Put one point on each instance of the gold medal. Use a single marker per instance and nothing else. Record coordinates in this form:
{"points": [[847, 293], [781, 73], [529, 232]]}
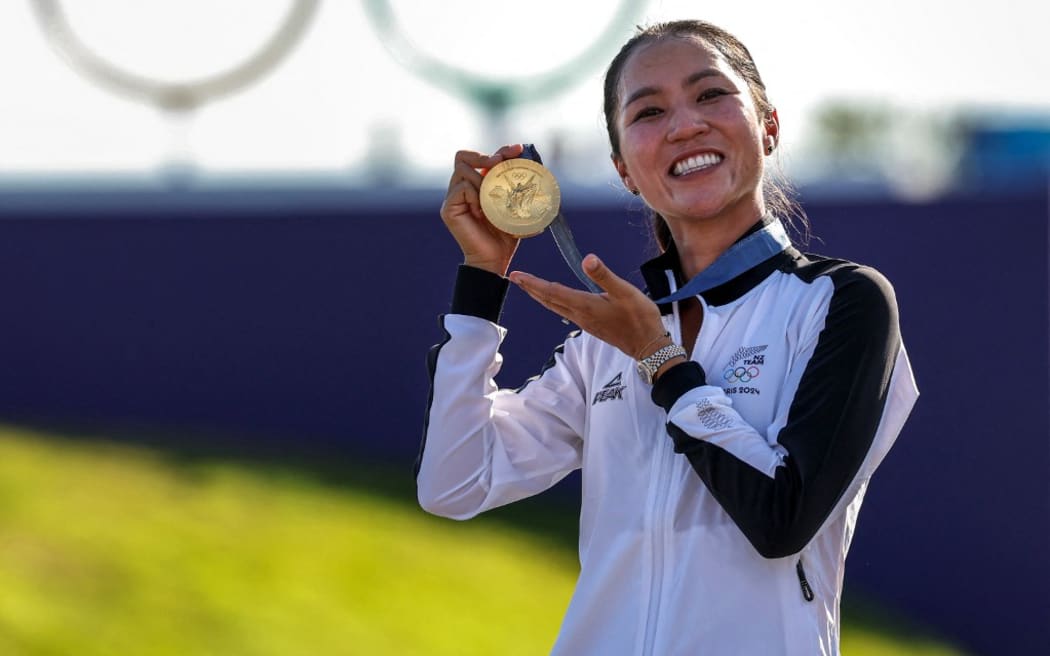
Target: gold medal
{"points": [[520, 197]]}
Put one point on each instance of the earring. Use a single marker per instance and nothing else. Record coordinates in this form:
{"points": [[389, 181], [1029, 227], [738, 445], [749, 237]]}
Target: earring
{"points": [[770, 144], [635, 192]]}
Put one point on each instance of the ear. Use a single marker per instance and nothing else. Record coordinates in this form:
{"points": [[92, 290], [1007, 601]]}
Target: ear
{"points": [[625, 177], [772, 127]]}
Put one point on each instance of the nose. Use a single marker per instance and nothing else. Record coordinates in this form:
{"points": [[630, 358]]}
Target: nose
{"points": [[686, 124]]}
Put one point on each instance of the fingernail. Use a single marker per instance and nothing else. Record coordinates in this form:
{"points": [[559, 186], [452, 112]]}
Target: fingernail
{"points": [[591, 262]]}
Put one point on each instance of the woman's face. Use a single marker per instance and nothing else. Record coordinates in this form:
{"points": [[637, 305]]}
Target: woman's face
{"points": [[691, 140]]}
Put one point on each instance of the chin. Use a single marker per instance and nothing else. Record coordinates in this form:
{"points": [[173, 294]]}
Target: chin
{"points": [[701, 211]]}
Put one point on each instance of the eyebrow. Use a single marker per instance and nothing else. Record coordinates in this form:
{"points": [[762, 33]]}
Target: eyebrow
{"points": [[692, 79]]}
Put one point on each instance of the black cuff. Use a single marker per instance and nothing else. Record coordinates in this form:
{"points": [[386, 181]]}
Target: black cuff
{"points": [[479, 293], [675, 382]]}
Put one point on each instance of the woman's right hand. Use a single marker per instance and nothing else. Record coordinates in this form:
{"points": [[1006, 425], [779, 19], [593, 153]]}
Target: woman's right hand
{"points": [[483, 245]]}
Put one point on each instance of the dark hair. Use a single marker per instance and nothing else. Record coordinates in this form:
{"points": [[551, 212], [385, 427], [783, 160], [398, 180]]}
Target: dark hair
{"points": [[778, 193]]}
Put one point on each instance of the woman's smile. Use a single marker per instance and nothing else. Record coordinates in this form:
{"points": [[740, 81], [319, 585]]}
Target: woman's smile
{"points": [[693, 163]]}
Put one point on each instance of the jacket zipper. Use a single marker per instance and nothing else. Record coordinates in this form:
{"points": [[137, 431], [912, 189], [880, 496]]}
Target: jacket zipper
{"points": [[807, 591]]}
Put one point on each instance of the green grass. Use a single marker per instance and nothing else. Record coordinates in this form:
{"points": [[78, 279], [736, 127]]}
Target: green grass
{"points": [[112, 549]]}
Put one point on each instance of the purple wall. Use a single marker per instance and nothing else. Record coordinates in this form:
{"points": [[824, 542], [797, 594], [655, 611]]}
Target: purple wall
{"points": [[956, 527], [302, 320]]}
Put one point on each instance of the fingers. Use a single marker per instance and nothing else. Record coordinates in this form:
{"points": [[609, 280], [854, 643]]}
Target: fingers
{"points": [[510, 151], [463, 188], [556, 297], [476, 160], [604, 277], [622, 316], [467, 172], [561, 298]]}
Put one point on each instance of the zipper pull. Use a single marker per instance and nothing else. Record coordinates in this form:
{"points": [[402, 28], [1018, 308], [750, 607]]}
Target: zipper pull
{"points": [[807, 592]]}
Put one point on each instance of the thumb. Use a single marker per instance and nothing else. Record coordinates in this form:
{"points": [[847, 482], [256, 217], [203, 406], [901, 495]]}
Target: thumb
{"points": [[510, 151], [601, 274]]}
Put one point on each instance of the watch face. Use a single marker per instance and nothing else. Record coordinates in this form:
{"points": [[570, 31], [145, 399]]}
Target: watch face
{"points": [[644, 372]]}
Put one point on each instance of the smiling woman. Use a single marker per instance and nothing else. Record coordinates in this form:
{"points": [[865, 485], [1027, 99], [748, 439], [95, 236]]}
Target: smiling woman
{"points": [[727, 420], [721, 84], [693, 139]]}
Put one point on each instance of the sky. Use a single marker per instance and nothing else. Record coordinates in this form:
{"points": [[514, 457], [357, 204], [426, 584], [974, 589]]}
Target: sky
{"points": [[341, 102]]}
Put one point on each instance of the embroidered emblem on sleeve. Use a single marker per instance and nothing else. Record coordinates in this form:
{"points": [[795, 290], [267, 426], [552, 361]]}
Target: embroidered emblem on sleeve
{"points": [[710, 416]]}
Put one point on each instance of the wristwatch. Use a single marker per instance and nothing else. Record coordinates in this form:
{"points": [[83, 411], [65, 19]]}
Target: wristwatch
{"points": [[647, 367]]}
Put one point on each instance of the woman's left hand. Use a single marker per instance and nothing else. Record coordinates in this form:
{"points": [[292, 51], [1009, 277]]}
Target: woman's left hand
{"points": [[622, 315]]}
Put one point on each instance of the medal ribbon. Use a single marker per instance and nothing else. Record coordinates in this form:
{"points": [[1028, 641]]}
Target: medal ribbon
{"points": [[562, 234], [750, 251]]}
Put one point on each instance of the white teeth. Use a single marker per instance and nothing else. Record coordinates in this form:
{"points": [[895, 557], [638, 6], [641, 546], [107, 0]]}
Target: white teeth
{"points": [[695, 163]]}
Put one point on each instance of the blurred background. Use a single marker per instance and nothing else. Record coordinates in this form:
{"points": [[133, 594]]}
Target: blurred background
{"points": [[223, 267]]}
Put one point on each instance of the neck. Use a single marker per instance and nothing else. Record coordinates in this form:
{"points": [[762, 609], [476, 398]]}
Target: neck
{"points": [[699, 243]]}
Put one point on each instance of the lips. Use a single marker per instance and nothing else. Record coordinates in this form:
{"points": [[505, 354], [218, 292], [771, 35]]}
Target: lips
{"points": [[694, 163]]}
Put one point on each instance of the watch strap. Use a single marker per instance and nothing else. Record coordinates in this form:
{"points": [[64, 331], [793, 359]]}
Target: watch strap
{"points": [[647, 367]]}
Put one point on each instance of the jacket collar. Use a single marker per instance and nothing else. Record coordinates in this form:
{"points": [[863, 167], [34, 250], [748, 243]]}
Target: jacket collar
{"points": [[658, 284]]}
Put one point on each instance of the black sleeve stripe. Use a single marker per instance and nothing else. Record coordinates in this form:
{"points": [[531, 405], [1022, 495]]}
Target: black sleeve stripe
{"points": [[676, 381], [432, 357], [551, 361], [479, 293], [831, 423]]}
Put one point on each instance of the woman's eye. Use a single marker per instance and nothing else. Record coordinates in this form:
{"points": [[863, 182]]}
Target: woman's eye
{"points": [[646, 113], [710, 94]]}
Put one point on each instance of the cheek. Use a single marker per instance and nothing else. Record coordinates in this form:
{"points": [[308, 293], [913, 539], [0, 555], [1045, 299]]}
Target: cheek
{"points": [[637, 145], [742, 121], [636, 137], [752, 146]]}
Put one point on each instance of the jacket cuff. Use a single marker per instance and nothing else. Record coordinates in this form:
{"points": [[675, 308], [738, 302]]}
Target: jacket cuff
{"points": [[676, 381], [479, 293]]}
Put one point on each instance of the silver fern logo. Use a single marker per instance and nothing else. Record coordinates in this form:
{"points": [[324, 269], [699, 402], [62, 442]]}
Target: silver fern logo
{"points": [[710, 416], [745, 352]]}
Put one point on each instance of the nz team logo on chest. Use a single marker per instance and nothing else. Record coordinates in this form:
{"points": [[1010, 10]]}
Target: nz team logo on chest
{"points": [[611, 391], [744, 368]]}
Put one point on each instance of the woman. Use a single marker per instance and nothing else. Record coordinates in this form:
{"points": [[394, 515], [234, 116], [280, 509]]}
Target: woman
{"points": [[721, 482]]}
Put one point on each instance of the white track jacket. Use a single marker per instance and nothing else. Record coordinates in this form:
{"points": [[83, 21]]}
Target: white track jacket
{"points": [[717, 505]]}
